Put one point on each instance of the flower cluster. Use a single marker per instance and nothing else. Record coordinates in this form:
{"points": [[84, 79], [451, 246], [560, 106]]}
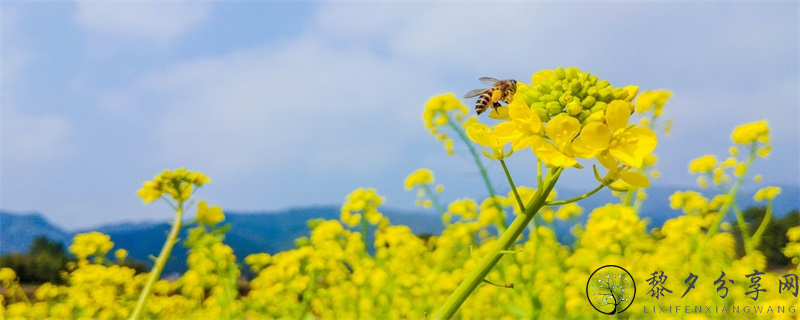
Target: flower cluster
{"points": [[565, 115], [387, 271], [441, 111], [178, 184], [366, 202]]}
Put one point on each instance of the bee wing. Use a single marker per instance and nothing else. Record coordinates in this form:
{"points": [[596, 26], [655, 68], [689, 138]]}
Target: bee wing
{"points": [[489, 80], [475, 93]]}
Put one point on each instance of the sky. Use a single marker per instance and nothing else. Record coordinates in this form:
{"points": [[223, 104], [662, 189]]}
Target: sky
{"points": [[288, 104]]}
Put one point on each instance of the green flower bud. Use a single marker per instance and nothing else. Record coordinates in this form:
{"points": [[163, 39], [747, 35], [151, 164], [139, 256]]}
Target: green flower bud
{"points": [[574, 107], [560, 73], [575, 85], [592, 91], [598, 106], [540, 109], [565, 98], [603, 84], [584, 77], [588, 102], [583, 115], [571, 73], [544, 88], [605, 95], [593, 80], [553, 107], [546, 98], [620, 94]]}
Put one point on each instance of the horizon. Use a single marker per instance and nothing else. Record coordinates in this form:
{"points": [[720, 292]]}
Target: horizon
{"points": [[784, 204], [299, 104]]}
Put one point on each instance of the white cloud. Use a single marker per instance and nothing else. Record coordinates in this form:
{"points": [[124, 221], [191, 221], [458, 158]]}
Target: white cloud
{"points": [[33, 139], [302, 105], [159, 21], [28, 138]]}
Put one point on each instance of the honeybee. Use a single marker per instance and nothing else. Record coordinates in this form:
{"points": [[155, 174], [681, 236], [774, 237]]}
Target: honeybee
{"points": [[488, 97]]}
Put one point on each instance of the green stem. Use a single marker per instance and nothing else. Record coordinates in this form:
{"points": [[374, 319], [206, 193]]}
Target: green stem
{"points": [[433, 197], [507, 239], [364, 227], [155, 274], [764, 222], [538, 174], [462, 134], [513, 186], [731, 198], [581, 197], [748, 241]]}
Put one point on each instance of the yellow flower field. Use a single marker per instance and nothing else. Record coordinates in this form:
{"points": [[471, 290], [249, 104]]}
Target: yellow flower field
{"points": [[479, 267]]}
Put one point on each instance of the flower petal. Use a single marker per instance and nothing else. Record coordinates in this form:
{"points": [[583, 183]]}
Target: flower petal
{"points": [[635, 179], [480, 134], [499, 113], [548, 153], [562, 129], [519, 110], [617, 114], [633, 146], [596, 135]]}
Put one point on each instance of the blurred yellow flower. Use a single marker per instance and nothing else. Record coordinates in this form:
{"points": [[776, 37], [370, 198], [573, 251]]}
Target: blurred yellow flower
{"points": [[210, 216], [767, 193], [418, 178], [703, 164], [751, 132]]}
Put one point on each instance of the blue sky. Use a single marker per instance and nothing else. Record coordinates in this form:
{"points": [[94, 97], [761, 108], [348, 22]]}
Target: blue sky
{"points": [[294, 104]]}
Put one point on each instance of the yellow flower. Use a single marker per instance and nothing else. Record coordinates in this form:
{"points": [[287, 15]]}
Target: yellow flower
{"points": [[7, 276], [437, 112], [362, 201], [121, 254], [618, 171], [178, 184], [703, 164], [524, 126], [210, 216], [561, 130], [466, 208], [486, 137], [418, 178], [767, 194], [750, 132], [628, 144], [655, 100], [568, 211], [90, 243]]}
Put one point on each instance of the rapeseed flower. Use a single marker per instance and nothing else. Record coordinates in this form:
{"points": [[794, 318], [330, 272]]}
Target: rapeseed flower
{"points": [[629, 144]]}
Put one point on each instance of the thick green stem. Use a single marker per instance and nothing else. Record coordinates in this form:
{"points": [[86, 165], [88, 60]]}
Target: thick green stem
{"points": [[462, 134], [507, 239], [155, 274]]}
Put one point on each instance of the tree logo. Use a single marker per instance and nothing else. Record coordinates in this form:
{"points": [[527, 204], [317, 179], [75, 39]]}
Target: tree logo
{"points": [[611, 289]]}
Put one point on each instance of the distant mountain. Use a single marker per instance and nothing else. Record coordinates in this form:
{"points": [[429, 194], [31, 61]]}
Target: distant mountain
{"points": [[276, 231], [18, 231], [256, 232]]}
